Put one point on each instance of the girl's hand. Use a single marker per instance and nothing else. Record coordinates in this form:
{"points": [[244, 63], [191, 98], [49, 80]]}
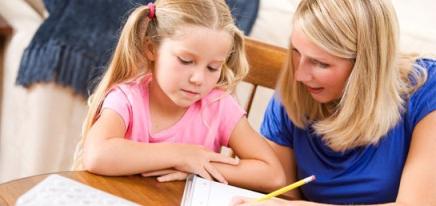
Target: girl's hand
{"points": [[167, 175], [242, 201], [197, 160]]}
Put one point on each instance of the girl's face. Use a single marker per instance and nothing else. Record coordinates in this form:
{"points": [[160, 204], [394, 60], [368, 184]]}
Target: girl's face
{"points": [[324, 75], [188, 66]]}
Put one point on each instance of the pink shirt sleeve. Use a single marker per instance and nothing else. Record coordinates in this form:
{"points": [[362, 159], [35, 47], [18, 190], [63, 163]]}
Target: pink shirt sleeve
{"points": [[232, 114], [117, 101]]}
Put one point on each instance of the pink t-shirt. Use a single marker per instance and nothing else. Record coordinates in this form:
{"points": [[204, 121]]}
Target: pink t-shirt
{"points": [[208, 122]]}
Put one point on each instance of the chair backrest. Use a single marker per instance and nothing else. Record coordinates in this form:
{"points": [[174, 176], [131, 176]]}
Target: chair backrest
{"points": [[266, 61]]}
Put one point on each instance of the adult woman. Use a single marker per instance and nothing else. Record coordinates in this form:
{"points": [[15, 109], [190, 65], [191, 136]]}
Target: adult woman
{"points": [[352, 110]]}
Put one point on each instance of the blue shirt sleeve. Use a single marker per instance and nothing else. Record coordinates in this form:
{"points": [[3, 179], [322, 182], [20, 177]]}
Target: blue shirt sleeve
{"points": [[276, 126], [423, 101]]}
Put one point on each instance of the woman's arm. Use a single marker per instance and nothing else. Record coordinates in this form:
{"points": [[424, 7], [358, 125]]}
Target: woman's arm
{"points": [[259, 168], [107, 152], [418, 180], [286, 157]]}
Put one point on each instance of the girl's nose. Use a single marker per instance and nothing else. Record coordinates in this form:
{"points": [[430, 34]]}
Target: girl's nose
{"points": [[197, 76]]}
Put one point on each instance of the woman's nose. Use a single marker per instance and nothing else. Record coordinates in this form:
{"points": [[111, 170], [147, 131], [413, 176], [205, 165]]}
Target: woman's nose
{"points": [[302, 71]]}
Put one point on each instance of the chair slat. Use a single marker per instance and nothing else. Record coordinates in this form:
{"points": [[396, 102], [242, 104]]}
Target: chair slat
{"points": [[266, 61]]}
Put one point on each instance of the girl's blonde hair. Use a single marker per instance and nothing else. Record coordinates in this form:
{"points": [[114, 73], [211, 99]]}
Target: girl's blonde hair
{"points": [[129, 61], [366, 32]]}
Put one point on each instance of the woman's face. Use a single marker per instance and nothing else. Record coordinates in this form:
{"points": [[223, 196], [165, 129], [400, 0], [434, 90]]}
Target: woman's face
{"points": [[324, 75]]}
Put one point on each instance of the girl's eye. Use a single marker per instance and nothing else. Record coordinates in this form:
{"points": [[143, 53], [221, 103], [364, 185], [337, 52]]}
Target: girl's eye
{"points": [[212, 69], [184, 61]]}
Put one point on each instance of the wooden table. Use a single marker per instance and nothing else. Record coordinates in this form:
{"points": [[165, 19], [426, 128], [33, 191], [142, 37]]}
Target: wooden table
{"points": [[142, 190]]}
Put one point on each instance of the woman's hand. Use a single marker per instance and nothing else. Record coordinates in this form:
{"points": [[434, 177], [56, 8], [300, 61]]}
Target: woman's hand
{"points": [[197, 160], [242, 201]]}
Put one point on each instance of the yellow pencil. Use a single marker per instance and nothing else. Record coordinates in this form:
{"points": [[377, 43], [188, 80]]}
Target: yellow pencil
{"points": [[287, 188]]}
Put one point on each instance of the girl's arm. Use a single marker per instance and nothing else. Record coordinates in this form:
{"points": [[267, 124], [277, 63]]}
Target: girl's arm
{"points": [[259, 168], [418, 180], [107, 152]]}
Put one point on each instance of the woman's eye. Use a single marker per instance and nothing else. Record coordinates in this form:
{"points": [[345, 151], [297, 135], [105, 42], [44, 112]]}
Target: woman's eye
{"points": [[184, 61], [320, 64], [323, 65], [295, 51]]}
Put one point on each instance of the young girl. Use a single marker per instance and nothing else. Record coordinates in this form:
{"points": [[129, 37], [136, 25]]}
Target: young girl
{"points": [[164, 108]]}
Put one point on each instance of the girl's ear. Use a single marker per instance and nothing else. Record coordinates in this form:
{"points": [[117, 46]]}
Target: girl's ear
{"points": [[150, 51]]}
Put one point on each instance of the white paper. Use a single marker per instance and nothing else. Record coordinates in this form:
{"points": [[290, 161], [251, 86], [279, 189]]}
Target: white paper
{"points": [[202, 192], [59, 190]]}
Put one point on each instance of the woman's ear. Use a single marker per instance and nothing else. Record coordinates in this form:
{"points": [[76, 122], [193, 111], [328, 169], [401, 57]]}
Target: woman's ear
{"points": [[150, 51]]}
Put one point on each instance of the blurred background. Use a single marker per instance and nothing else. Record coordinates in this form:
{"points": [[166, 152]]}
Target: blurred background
{"points": [[43, 94]]}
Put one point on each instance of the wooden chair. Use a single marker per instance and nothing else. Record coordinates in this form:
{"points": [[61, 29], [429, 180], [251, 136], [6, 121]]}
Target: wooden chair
{"points": [[266, 61]]}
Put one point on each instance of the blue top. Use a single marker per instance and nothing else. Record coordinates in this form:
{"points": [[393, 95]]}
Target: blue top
{"points": [[364, 175]]}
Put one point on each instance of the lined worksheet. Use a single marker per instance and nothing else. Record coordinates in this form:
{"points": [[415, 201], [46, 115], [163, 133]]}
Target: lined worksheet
{"points": [[59, 190], [203, 192]]}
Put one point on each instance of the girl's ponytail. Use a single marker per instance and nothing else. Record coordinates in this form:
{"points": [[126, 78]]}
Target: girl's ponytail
{"points": [[236, 67], [128, 61]]}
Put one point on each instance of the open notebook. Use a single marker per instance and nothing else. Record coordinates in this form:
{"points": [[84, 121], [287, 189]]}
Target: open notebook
{"points": [[203, 192], [59, 190]]}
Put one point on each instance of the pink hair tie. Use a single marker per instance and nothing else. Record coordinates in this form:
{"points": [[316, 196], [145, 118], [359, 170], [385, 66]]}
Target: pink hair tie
{"points": [[152, 8]]}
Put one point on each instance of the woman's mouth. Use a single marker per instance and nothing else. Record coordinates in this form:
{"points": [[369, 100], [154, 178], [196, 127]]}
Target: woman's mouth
{"points": [[315, 90]]}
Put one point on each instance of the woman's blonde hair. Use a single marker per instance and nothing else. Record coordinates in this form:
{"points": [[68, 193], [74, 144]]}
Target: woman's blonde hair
{"points": [[129, 61], [366, 32]]}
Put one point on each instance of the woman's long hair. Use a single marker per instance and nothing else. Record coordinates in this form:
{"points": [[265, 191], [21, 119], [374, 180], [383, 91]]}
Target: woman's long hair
{"points": [[366, 32]]}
